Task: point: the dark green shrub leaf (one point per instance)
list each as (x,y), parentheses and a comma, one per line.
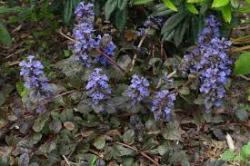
(169,4)
(109,8)
(141,2)
(192,8)
(121,18)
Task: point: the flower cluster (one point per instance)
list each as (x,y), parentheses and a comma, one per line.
(83,34)
(33,74)
(211,62)
(162,104)
(138,89)
(98,87)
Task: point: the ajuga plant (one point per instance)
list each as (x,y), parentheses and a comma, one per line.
(35,81)
(211,63)
(85,39)
(98,88)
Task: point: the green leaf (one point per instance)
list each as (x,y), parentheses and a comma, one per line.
(242,64)
(4,36)
(7,10)
(219,3)
(40,123)
(192,8)
(194,1)
(228,155)
(169,4)
(180,32)
(235,3)
(121,19)
(68,9)
(109,8)
(172,22)
(142,2)
(122,4)
(171,132)
(129,136)
(245,151)
(226,13)
(100,142)
(122,151)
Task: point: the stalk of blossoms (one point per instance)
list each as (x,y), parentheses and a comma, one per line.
(163,104)
(98,88)
(33,74)
(138,89)
(85,39)
(210,61)
(35,81)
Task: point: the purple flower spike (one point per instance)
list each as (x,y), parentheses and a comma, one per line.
(33,74)
(162,104)
(98,87)
(211,62)
(138,89)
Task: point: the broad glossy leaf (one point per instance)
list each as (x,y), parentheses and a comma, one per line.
(141,2)
(226,13)
(121,18)
(192,8)
(219,3)
(242,64)
(109,8)
(172,22)
(169,4)
(122,4)
(68,10)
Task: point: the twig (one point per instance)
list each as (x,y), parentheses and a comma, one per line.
(135,55)
(171,74)
(245,77)
(142,153)
(66,160)
(66,36)
(111,60)
(239,49)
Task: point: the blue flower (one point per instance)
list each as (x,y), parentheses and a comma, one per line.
(83,33)
(210,61)
(138,89)
(162,104)
(33,74)
(98,87)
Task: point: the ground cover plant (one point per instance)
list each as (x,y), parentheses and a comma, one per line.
(124,82)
